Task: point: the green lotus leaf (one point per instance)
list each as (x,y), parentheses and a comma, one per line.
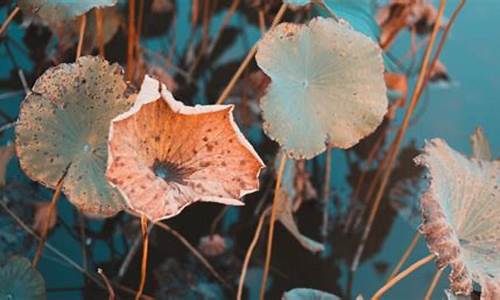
(19,280)
(64,124)
(54,11)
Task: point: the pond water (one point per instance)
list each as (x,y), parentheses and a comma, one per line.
(450,111)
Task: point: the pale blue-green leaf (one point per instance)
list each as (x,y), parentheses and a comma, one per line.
(308,294)
(19,280)
(297,2)
(65,122)
(327,86)
(53,11)
(461,214)
(450,296)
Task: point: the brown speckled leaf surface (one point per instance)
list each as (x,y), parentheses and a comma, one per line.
(461,217)
(165,156)
(65,122)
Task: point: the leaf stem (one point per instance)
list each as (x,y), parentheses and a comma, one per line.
(144,263)
(406,255)
(270,237)
(248,59)
(108,284)
(131,39)
(99,30)
(52,208)
(394,149)
(195,252)
(248,255)
(402,275)
(435,281)
(83,24)
(9,19)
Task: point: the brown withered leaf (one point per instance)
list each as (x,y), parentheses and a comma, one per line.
(165,156)
(400,14)
(397,83)
(439,72)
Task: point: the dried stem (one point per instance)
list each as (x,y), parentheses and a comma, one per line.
(52,208)
(144,264)
(262,18)
(131,253)
(435,281)
(248,255)
(402,275)
(326,192)
(140,22)
(215,222)
(371,156)
(99,31)
(229,14)
(24,82)
(399,137)
(131,39)
(270,237)
(443,39)
(65,258)
(7,126)
(83,24)
(9,19)
(195,252)
(81,226)
(108,284)
(248,59)
(406,255)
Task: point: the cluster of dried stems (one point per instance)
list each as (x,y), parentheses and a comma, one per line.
(376,190)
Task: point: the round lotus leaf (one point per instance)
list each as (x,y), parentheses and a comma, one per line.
(19,280)
(165,155)
(327,87)
(64,124)
(55,11)
(308,294)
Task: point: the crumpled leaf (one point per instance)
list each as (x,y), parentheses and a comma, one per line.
(165,156)
(41,217)
(309,106)
(64,123)
(294,186)
(284,214)
(439,72)
(400,14)
(308,294)
(19,280)
(6,153)
(480,145)
(461,217)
